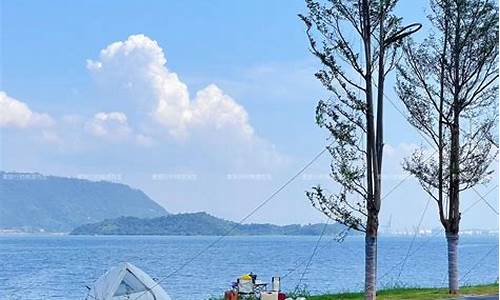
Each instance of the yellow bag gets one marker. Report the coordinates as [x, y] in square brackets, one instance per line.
[246, 277]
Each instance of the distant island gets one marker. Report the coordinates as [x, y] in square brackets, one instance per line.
[190, 224]
[32, 202]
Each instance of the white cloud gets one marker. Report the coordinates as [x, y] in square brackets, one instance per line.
[139, 64]
[112, 125]
[15, 113]
[213, 108]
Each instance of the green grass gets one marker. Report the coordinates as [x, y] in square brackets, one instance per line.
[406, 293]
[415, 293]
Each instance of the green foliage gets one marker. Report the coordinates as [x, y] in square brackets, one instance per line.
[196, 224]
[448, 84]
[33, 202]
[357, 43]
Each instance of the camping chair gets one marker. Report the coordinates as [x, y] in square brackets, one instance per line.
[245, 288]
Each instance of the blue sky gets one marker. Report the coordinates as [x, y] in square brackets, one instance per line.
[223, 150]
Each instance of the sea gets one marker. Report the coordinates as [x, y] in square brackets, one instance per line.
[63, 267]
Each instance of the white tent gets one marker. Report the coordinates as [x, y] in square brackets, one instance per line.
[126, 281]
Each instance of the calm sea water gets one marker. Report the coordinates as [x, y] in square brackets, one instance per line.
[59, 267]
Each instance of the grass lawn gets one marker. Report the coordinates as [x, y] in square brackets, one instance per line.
[416, 293]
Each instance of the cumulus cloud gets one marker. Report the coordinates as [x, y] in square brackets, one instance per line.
[113, 125]
[15, 113]
[213, 108]
[139, 64]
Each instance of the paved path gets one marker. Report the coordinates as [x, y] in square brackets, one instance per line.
[495, 297]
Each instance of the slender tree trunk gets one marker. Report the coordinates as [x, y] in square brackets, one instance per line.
[454, 200]
[372, 166]
[452, 240]
[454, 209]
[442, 209]
[370, 266]
[379, 143]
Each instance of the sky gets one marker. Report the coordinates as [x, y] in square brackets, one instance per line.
[203, 105]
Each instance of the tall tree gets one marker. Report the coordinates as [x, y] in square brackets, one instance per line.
[448, 84]
[341, 27]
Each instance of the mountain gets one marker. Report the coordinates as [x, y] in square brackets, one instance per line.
[34, 202]
[196, 224]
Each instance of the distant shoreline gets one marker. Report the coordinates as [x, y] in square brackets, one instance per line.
[382, 235]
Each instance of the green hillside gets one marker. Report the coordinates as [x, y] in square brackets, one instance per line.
[33, 202]
[195, 224]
